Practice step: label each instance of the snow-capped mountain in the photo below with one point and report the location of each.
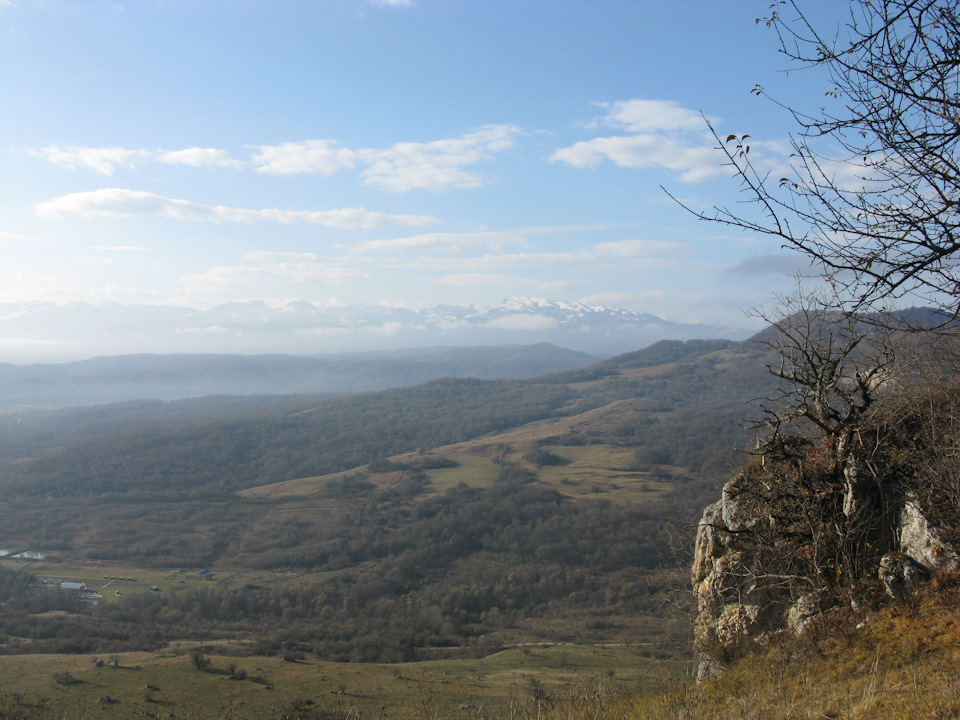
(48, 332)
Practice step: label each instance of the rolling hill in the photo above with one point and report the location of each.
(171, 377)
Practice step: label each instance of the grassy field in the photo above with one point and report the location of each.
(898, 663)
(168, 683)
(600, 471)
(597, 471)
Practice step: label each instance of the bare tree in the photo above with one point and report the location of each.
(832, 367)
(872, 197)
(874, 192)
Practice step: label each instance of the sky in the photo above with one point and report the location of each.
(400, 152)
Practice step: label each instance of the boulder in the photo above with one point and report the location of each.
(899, 574)
(921, 539)
(803, 612)
(737, 608)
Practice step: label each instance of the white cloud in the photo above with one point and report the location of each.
(308, 156)
(442, 242)
(117, 248)
(394, 3)
(579, 259)
(532, 259)
(210, 329)
(342, 218)
(106, 160)
(642, 116)
(102, 160)
(618, 299)
(199, 157)
(541, 229)
(694, 162)
(664, 134)
(387, 329)
(20, 344)
(482, 263)
(639, 248)
(478, 279)
(263, 267)
(791, 264)
(117, 202)
(436, 165)
(557, 287)
(14, 237)
(9, 3)
(124, 203)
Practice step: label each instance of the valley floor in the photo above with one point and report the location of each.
(195, 681)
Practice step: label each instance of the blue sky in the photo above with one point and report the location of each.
(194, 152)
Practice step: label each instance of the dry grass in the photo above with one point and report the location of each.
(901, 663)
(523, 682)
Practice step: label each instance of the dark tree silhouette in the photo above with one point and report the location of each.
(872, 196)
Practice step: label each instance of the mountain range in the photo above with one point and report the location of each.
(51, 332)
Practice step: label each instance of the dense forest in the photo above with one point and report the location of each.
(443, 572)
(202, 457)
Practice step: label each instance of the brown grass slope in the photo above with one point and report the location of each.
(899, 661)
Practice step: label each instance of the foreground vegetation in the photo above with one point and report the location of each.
(201, 682)
(897, 662)
(892, 661)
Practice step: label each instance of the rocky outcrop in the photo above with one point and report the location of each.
(921, 539)
(753, 580)
(900, 574)
(922, 552)
(738, 604)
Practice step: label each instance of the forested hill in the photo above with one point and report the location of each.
(673, 403)
(169, 377)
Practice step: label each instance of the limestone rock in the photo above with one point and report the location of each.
(802, 613)
(750, 586)
(922, 540)
(737, 609)
(899, 574)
